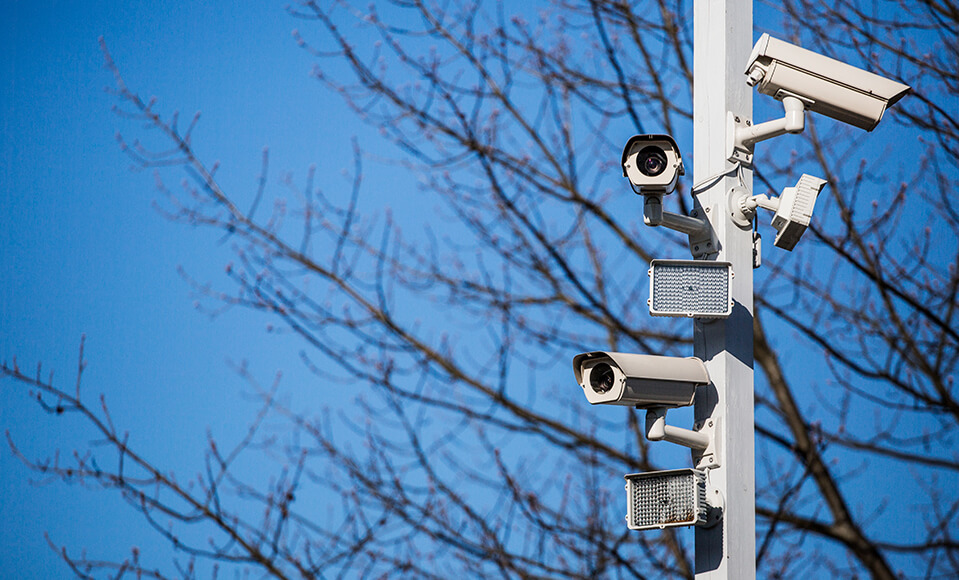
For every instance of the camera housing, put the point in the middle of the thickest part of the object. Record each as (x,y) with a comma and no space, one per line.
(640,380)
(824,85)
(652,163)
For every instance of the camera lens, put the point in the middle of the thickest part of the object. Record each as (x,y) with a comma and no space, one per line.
(601,378)
(651,161)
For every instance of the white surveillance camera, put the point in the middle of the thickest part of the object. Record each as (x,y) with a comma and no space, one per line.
(824,85)
(640,380)
(652,163)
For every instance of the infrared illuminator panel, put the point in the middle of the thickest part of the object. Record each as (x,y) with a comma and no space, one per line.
(690,288)
(664,499)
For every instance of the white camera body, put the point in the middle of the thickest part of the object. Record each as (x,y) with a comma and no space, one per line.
(652,163)
(640,380)
(824,85)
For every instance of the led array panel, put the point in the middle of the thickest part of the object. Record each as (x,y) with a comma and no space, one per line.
(690,288)
(662,499)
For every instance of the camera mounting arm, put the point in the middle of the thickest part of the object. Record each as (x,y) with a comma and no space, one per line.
(653,215)
(658,430)
(742,135)
(748,205)
(703,442)
(702,238)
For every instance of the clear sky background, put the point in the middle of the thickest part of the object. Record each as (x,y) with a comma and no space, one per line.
(83,252)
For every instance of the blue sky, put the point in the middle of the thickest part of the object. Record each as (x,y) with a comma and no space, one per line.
(83,251)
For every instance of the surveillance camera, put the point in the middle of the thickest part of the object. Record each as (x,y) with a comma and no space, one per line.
(640,380)
(823,84)
(652,163)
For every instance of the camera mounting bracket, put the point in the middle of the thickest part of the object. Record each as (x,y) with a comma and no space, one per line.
(703,442)
(702,237)
(741,134)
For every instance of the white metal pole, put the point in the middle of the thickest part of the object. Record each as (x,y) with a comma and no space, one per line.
(722,43)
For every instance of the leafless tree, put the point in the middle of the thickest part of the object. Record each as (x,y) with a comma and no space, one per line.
(478,458)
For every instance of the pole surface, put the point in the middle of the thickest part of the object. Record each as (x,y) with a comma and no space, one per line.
(722,43)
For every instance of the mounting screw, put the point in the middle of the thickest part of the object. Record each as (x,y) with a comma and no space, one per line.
(737,119)
(710,459)
(710,423)
(748,122)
